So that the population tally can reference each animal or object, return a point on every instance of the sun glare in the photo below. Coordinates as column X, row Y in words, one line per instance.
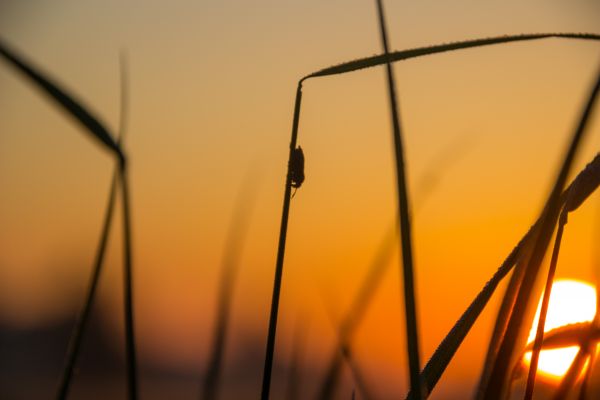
column 570, row 302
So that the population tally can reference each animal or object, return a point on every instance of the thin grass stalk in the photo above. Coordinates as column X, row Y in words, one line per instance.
column 534, row 255
column 130, row 350
column 234, row 245
column 81, row 323
column 82, row 319
column 268, row 366
column 412, row 333
column 67, row 101
column 539, row 335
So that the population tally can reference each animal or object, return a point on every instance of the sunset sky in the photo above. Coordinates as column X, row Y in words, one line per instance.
column 212, row 87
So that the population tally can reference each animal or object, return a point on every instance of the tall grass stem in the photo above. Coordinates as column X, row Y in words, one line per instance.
column 410, row 306
column 270, row 349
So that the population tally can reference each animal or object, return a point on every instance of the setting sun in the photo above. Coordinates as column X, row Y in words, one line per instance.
column 570, row 302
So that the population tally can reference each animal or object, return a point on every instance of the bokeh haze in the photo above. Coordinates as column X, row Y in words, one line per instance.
column 212, row 88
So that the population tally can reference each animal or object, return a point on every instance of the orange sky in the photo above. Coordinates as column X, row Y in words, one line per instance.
column 212, row 87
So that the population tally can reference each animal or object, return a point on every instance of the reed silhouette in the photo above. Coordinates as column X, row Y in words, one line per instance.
column 82, row 319
column 410, row 302
column 101, row 134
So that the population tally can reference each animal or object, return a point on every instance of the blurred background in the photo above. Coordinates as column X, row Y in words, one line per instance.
column 212, row 88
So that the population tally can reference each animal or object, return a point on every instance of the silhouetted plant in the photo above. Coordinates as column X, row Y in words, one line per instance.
column 92, row 125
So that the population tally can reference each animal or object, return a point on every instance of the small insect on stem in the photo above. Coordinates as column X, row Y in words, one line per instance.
column 296, row 168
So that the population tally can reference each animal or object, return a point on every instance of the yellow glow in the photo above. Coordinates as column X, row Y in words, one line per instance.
column 570, row 302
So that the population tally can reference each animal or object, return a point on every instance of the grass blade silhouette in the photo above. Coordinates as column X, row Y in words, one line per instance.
column 234, row 244
column 539, row 335
column 381, row 59
column 412, row 333
column 270, row 349
column 82, row 319
column 533, row 255
column 130, row 349
column 60, row 96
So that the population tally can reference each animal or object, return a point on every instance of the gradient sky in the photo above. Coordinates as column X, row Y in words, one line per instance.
column 212, row 86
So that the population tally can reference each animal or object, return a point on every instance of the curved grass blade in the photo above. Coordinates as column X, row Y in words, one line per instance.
column 412, row 332
column 567, row 336
column 534, row 254
column 234, row 245
column 82, row 320
column 72, row 106
column 270, row 350
column 381, row 59
column 130, row 348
